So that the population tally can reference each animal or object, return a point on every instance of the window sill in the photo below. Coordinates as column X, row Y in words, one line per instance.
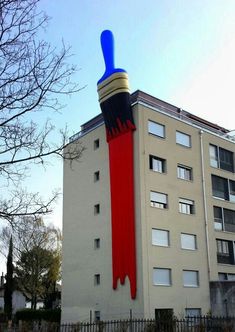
column 154, row 135
column 184, row 146
column 184, row 179
column 187, row 214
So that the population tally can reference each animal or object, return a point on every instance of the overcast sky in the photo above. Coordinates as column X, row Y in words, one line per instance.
column 181, row 51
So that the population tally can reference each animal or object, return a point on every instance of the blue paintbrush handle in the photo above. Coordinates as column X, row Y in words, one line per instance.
column 107, row 44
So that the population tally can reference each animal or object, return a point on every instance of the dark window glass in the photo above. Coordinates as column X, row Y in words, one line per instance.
column 226, row 159
column 220, row 187
column 225, row 253
column 229, row 220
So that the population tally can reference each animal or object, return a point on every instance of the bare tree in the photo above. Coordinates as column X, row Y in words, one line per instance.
column 32, row 77
column 30, row 233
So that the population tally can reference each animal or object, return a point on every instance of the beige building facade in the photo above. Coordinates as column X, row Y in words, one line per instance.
column 184, row 215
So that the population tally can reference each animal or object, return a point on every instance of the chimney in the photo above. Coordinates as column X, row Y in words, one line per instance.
column 2, row 280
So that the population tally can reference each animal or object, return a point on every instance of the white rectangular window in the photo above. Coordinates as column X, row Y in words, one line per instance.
column 193, row 312
column 162, row 277
column 160, row 237
column 188, row 241
column 190, row 278
column 214, row 156
column 156, row 129
column 183, row 139
column 157, row 164
column 186, row 206
column 184, row 172
column 158, row 200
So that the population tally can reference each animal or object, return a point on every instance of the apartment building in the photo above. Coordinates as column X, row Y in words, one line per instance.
column 184, row 187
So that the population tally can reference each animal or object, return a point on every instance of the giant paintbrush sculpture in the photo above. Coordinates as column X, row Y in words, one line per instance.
column 114, row 98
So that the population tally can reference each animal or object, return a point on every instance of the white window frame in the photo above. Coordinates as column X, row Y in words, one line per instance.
column 188, row 241
column 222, row 247
column 214, row 155
column 160, row 237
column 183, row 139
column 158, row 200
column 184, row 172
column 156, row 129
column 158, row 276
column 190, row 274
column 186, row 206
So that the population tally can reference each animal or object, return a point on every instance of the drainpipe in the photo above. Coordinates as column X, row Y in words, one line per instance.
column 205, row 204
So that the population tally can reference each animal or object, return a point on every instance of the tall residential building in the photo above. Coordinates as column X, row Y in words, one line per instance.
column 184, row 191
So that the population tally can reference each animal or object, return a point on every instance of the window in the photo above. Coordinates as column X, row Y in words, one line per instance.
column 183, row 139
column 186, row 206
column 214, row 161
column 162, row 277
column 158, row 200
column 96, row 176
column 224, row 219
column 97, row 279
column 184, row 172
column 232, row 191
column 160, row 237
column 221, row 158
column 97, row 315
column 190, row 278
column 220, row 187
column 226, row 276
column 192, row 312
column 225, row 251
column 156, row 129
column 164, row 315
column 188, row 241
column 223, row 188
column 96, row 144
column 157, row 164
column 97, row 209
column 97, row 243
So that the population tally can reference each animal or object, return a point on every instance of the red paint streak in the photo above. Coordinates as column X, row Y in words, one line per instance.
column 122, row 128
column 122, row 204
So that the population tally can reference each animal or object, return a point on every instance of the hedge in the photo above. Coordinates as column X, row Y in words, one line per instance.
column 50, row 315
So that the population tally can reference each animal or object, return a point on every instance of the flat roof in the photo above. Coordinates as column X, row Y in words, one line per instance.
column 167, row 108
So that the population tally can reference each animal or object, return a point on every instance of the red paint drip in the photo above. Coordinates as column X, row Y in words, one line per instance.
column 122, row 204
column 123, row 127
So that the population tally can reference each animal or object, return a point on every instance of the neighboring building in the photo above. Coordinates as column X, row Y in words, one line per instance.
column 184, row 215
column 18, row 298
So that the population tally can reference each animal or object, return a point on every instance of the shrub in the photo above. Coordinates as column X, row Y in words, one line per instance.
column 50, row 315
